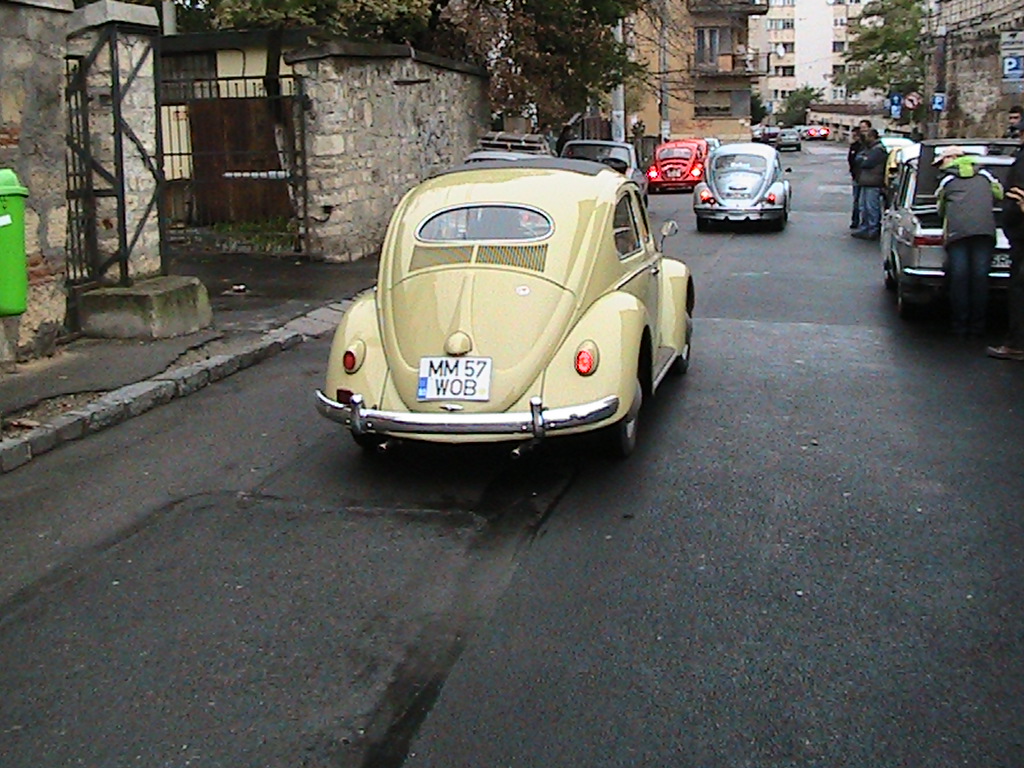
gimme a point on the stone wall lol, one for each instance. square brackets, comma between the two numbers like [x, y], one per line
[32, 119]
[963, 61]
[382, 119]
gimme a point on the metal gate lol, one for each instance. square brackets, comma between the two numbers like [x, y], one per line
[100, 237]
[235, 166]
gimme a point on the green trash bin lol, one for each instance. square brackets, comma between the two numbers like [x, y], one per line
[13, 267]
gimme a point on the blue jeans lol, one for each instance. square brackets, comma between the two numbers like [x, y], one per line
[969, 262]
[871, 210]
[855, 216]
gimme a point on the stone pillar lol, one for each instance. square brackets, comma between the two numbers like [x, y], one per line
[32, 39]
[121, 83]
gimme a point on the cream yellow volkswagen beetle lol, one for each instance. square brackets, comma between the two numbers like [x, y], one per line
[515, 301]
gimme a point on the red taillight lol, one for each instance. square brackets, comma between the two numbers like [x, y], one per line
[349, 361]
[584, 362]
[697, 171]
[652, 173]
[770, 197]
[928, 240]
[706, 196]
[343, 396]
[826, 131]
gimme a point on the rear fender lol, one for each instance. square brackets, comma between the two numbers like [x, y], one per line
[615, 324]
[359, 324]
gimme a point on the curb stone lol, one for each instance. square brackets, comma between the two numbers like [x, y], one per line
[133, 400]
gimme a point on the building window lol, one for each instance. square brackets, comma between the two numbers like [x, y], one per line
[838, 69]
[838, 46]
[780, 24]
[839, 21]
[707, 45]
[784, 72]
[789, 47]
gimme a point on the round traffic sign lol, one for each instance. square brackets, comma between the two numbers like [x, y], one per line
[912, 100]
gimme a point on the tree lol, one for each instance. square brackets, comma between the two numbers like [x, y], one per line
[758, 111]
[794, 109]
[546, 58]
[885, 52]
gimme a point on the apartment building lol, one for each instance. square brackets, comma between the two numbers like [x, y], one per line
[806, 41]
[703, 67]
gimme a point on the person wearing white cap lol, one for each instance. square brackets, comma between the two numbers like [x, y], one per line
[967, 199]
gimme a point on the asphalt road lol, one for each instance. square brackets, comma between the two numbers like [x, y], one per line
[813, 559]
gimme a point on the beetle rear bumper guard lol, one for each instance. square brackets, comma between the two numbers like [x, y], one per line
[537, 423]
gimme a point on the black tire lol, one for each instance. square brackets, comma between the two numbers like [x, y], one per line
[907, 310]
[703, 225]
[779, 224]
[369, 443]
[621, 437]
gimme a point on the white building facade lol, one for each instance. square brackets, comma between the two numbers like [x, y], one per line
[807, 41]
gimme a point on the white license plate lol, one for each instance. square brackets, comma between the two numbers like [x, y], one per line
[673, 173]
[454, 378]
[1001, 261]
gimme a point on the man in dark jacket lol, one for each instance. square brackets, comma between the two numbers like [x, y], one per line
[1013, 226]
[856, 145]
[870, 165]
[967, 199]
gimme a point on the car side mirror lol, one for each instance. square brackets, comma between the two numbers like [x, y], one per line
[668, 229]
[789, 170]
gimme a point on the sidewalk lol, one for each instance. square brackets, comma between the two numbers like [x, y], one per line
[261, 306]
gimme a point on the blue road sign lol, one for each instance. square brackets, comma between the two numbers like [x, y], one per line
[938, 102]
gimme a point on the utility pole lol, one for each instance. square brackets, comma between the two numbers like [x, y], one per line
[665, 129]
[618, 98]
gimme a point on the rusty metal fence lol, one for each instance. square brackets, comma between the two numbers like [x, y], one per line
[235, 166]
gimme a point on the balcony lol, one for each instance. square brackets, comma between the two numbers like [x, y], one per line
[746, 64]
[728, 7]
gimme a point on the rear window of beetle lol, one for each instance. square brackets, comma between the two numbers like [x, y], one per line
[486, 222]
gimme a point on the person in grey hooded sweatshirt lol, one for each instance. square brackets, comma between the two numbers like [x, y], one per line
[967, 199]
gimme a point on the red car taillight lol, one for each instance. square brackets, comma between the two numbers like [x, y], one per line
[652, 173]
[770, 197]
[928, 240]
[586, 358]
[706, 196]
[697, 171]
[353, 357]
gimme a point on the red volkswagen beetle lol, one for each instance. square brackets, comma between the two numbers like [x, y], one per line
[677, 165]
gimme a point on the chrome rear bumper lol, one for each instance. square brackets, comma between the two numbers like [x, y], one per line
[537, 423]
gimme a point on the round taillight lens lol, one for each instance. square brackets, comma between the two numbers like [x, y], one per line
[586, 358]
[771, 198]
[349, 361]
[706, 196]
[697, 171]
[652, 172]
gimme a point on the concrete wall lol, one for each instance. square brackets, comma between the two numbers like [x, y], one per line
[32, 122]
[379, 125]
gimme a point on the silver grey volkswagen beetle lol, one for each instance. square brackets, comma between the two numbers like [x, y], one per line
[743, 182]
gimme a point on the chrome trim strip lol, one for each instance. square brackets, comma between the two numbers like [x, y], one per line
[1000, 273]
[537, 423]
